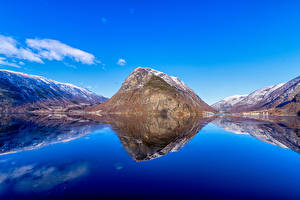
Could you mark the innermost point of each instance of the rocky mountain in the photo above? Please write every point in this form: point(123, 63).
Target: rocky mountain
point(253, 100)
point(226, 104)
point(285, 100)
point(280, 99)
point(21, 92)
point(147, 91)
point(244, 103)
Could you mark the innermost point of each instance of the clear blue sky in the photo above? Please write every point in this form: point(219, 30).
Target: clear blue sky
point(219, 48)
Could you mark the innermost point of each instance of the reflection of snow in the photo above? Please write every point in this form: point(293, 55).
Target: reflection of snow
point(33, 136)
point(29, 178)
point(257, 129)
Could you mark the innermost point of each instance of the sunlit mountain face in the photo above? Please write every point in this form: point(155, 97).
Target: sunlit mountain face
point(68, 156)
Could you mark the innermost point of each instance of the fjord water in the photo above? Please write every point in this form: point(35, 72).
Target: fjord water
point(61, 156)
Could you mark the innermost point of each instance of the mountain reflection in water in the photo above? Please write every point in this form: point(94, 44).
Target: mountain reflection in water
point(283, 131)
point(151, 137)
point(24, 132)
point(144, 138)
point(77, 156)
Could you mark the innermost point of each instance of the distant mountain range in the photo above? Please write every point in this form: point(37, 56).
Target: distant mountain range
point(280, 99)
point(21, 92)
point(145, 91)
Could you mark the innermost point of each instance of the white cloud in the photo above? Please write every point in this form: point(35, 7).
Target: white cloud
point(121, 62)
point(55, 50)
point(9, 48)
point(35, 50)
point(4, 62)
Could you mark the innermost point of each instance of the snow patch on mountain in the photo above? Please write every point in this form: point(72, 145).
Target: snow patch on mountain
point(227, 103)
point(261, 94)
point(238, 103)
point(256, 129)
point(171, 80)
point(285, 92)
point(22, 80)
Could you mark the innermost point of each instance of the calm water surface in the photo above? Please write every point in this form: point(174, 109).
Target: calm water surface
point(60, 156)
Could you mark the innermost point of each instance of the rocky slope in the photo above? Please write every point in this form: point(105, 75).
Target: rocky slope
point(226, 104)
point(147, 91)
point(245, 103)
point(285, 100)
point(280, 99)
point(20, 92)
point(253, 100)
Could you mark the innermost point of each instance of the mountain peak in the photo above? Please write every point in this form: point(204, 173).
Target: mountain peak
point(147, 90)
point(227, 103)
point(43, 79)
point(140, 76)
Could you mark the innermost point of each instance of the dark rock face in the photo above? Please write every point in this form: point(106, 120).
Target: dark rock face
point(26, 93)
point(147, 91)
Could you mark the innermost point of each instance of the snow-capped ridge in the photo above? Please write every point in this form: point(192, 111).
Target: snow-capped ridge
point(20, 92)
point(261, 94)
point(227, 103)
point(242, 103)
point(65, 86)
point(230, 98)
point(171, 80)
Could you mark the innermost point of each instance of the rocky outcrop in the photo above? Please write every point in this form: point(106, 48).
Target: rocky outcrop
point(147, 91)
point(21, 93)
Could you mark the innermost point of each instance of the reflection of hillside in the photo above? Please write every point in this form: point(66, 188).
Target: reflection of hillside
point(151, 137)
point(284, 131)
point(25, 132)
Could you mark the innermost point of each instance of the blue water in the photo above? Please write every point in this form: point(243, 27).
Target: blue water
point(215, 164)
